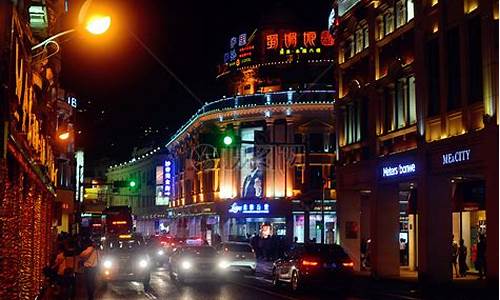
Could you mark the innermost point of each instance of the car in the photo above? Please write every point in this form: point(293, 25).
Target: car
point(125, 259)
point(196, 262)
point(309, 264)
point(240, 257)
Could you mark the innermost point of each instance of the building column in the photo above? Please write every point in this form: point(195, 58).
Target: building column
point(348, 223)
point(385, 230)
point(434, 229)
point(491, 195)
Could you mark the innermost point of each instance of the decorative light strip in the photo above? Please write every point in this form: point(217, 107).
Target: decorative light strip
point(235, 101)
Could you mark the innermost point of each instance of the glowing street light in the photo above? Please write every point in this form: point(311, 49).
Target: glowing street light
point(98, 24)
point(64, 136)
point(95, 24)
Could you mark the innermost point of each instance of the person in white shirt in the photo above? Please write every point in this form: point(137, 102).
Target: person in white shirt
point(90, 258)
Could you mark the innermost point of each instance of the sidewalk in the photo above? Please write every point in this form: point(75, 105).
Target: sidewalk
point(408, 285)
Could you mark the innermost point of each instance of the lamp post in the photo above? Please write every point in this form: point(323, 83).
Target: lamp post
point(95, 24)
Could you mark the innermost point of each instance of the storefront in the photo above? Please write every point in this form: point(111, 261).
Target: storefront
point(316, 215)
point(395, 235)
point(244, 218)
point(462, 163)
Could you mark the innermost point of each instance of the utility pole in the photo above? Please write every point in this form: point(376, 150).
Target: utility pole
point(323, 211)
point(306, 202)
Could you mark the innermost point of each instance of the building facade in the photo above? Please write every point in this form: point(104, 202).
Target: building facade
point(29, 174)
point(280, 150)
point(145, 197)
point(417, 122)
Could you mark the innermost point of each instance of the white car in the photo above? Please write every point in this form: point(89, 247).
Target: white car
point(240, 257)
point(196, 262)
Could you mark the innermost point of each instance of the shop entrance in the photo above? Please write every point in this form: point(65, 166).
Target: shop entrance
point(468, 220)
point(408, 229)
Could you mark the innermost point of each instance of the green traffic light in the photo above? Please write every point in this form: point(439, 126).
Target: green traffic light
point(131, 183)
point(228, 140)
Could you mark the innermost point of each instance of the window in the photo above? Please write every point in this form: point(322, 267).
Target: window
point(361, 38)
point(297, 138)
point(395, 16)
point(433, 77)
point(453, 68)
point(475, 60)
point(316, 142)
point(298, 177)
point(352, 122)
point(316, 177)
point(400, 104)
point(400, 13)
point(388, 21)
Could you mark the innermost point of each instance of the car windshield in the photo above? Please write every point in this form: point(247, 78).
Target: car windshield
point(330, 251)
point(200, 251)
point(237, 248)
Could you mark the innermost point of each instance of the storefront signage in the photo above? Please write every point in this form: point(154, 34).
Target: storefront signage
point(167, 178)
point(400, 169)
point(249, 208)
point(456, 157)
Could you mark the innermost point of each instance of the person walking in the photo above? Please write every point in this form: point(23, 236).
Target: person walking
point(402, 251)
point(462, 256)
point(454, 256)
point(481, 256)
point(90, 257)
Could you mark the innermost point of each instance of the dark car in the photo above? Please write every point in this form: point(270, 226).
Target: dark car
point(306, 264)
point(125, 259)
point(196, 262)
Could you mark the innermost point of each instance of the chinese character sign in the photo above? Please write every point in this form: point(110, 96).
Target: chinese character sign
point(309, 39)
point(291, 40)
point(272, 41)
point(326, 39)
point(242, 41)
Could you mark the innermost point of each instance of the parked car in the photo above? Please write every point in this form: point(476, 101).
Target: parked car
point(240, 257)
point(196, 262)
point(312, 264)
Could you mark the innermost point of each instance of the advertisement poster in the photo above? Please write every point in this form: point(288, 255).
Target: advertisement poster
point(251, 166)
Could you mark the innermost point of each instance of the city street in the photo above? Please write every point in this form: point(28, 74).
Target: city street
point(259, 287)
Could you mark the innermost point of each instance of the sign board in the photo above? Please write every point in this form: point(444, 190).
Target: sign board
point(394, 170)
point(456, 157)
point(249, 208)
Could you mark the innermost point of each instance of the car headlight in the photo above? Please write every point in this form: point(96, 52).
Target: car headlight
point(223, 264)
point(143, 263)
point(161, 252)
point(107, 263)
point(186, 264)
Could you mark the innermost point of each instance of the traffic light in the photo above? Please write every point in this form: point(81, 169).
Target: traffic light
point(132, 183)
point(228, 140)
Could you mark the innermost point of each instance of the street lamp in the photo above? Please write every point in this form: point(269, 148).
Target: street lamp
point(64, 136)
point(95, 24)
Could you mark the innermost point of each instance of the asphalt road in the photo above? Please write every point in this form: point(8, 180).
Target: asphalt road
point(259, 287)
point(244, 288)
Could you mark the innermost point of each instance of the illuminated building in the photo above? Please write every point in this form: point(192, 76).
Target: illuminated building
point(417, 127)
point(146, 195)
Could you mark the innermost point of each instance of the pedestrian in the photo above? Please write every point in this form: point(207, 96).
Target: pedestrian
point(480, 263)
point(90, 258)
point(454, 256)
point(462, 256)
point(402, 251)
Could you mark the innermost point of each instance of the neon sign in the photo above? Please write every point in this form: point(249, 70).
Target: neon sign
point(455, 157)
point(400, 169)
point(167, 178)
point(290, 40)
point(252, 208)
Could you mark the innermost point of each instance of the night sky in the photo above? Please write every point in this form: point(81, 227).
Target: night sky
point(123, 91)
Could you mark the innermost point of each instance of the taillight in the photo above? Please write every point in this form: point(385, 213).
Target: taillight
point(348, 264)
point(309, 263)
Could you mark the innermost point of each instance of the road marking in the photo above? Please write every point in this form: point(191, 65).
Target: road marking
point(264, 291)
point(396, 296)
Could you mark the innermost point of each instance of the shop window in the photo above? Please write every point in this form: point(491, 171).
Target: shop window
point(453, 68)
point(475, 60)
point(433, 76)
